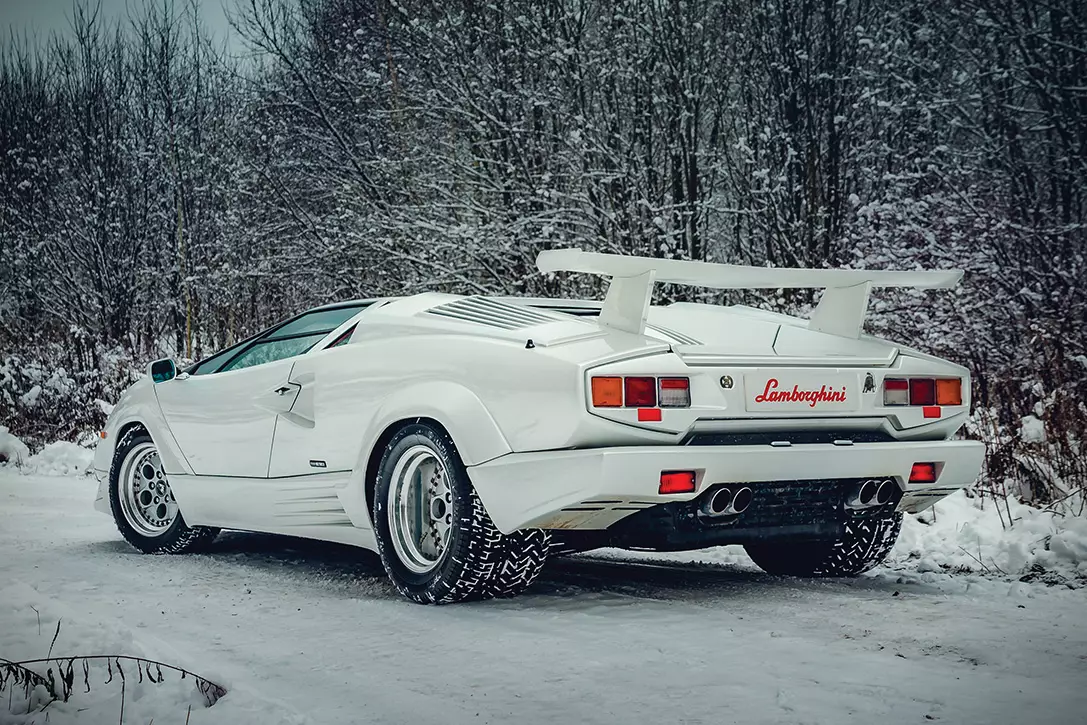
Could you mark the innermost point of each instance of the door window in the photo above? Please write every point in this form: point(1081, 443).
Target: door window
point(291, 338)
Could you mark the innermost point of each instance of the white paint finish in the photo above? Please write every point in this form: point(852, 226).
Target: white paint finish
point(224, 422)
point(520, 490)
point(498, 396)
point(841, 310)
point(627, 303)
point(306, 506)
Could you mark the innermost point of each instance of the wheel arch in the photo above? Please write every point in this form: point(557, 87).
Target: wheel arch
point(377, 451)
point(451, 407)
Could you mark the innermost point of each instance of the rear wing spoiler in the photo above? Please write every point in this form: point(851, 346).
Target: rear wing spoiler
point(840, 311)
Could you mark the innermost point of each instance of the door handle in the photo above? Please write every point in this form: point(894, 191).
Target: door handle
point(283, 390)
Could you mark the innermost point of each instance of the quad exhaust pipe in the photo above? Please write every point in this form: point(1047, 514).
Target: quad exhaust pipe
point(872, 492)
point(728, 502)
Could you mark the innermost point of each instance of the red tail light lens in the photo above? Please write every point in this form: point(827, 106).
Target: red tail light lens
point(675, 393)
point(640, 392)
point(677, 482)
point(922, 391)
point(923, 473)
point(896, 391)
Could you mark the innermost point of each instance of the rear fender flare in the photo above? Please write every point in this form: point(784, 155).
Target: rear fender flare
point(459, 410)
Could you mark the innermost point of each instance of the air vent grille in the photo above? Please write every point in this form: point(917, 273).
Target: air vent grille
point(489, 312)
point(679, 337)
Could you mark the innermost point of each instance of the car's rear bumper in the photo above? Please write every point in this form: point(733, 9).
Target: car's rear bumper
point(595, 488)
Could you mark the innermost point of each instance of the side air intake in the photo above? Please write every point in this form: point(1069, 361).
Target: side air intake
point(492, 313)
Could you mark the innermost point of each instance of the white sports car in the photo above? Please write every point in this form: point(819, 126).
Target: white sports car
point(467, 438)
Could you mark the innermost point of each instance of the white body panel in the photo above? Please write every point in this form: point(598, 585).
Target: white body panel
point(223, 424)
point(593, 489)
point(290, 446)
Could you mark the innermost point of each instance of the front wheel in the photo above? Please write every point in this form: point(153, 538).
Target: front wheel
point(864, 545)
point(435, 538)
point(143, 504)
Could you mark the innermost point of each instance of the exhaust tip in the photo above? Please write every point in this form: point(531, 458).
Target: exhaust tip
point(741, 500)
point(867, 492)
point(885, 492)
point(718, 504)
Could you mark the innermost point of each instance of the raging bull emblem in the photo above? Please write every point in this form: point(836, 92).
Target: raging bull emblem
point(869, 383)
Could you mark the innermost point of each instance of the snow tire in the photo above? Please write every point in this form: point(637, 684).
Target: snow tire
point(865, 544)
point(179, 538)
point(479, 562)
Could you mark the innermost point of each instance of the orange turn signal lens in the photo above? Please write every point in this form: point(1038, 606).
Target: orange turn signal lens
point(949, 392)
point(607, 392)
point(102, 434)
point(677, 482)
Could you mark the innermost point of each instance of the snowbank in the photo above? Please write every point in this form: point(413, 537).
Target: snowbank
point(961, 536)
point(28, 623)
point(61, 458)
point(12, 450)
point(966, 534)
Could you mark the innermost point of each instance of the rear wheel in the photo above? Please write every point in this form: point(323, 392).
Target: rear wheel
point(143, 504)
point(865, 544)
point(436, 540)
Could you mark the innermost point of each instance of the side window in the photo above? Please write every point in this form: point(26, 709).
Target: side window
point(265, 351)
point(343, 339)
point(291, 338)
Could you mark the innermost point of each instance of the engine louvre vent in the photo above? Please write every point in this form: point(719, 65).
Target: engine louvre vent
point(492, 313)
point(679, 337)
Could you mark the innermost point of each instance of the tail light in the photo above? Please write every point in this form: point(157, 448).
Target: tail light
point(896, 392)
point(949, 391)
point(675, 393)
point(926, 392)
point(923, 473)
point(922, 391)
point(642, 392)
point(608, 392)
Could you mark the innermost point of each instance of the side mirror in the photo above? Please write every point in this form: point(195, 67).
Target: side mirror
point(162, 370)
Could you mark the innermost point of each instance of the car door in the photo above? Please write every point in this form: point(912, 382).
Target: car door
point(224, 422)
point(224, 412)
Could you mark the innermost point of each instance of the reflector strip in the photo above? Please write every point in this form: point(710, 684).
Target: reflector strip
point(931, 411)
point(677, 482)
point(649, 414)
point(923, 473)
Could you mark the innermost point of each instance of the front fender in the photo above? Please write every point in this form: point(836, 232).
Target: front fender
point(138, 405)
point(460, 411)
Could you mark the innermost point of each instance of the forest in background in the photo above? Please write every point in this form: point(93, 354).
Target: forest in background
point(162, 197)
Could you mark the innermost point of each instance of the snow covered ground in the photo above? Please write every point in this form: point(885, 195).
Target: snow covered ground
point(307, 632)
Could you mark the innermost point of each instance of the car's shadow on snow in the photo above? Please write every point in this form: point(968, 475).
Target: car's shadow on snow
point(563, 577)
point(351, 571)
